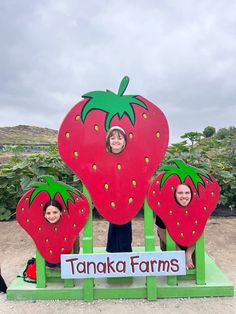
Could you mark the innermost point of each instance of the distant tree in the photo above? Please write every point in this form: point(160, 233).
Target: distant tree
point(178, 148)
point(222, 133)
point(193, 137)
point(209, 131)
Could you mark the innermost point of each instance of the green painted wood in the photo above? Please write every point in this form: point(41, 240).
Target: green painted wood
point(149, 247)
point(217, 284)
point(200, 261)
point(170, 246)
point(40, 270)
point(88, 248)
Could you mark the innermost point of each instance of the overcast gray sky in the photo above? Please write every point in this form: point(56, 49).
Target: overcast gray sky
point(181, 55)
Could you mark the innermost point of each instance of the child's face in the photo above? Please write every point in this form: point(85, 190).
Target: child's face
point(52, 214)
point(117, 142)
point(183, 195)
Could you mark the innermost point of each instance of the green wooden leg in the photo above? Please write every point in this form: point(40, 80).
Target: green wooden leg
point(170, 246)
point(200, 261)
point(40, 270)
point(88, 248)
point(149, 247)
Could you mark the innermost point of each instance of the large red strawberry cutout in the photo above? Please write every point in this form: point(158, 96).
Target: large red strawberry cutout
point(52, 239)
point(185, 224)
point(117, 183)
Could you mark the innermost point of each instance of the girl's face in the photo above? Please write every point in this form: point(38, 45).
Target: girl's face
point(183, 194)
point(52, 214)
point(117, 142)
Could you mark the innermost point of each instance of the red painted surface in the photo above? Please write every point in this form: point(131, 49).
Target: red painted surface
point(117, 183)
point(184, 224)
point(52, 239)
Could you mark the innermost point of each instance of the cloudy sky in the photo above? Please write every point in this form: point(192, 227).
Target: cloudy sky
point(181, 55)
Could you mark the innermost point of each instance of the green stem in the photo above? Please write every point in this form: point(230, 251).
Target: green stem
point(123, 85)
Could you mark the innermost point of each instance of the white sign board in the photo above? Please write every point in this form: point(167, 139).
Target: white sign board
point(123, 264)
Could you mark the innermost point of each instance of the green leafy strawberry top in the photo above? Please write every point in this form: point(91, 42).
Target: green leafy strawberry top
point(113, 104)
point(183, 171)
point(51, 187)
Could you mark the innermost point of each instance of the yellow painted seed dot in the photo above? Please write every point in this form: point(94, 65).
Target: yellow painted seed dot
point(96, 127)
point(212, 193)
point(131, 200)
point(177, 223)
point(131, 136)
point(27, 220)
point(76, 154)
point(22, 209)
point(118, 167)
point(153, 192)
point(65, 238)
point(193, 232)
point(55, 229)
point(147, 160)
point(77, 199)
point(134, 183)
point(144, 116)
point(207, 181)
point(181, 234)
point(82, 210)
point(94, 167)
point(158, 134)
point(50, 251)
point(106, 186)
point(26, 199)
point(46, 240)
point(39, 228)
point(77, 117)
point(196, 222)
point(157, 182)
point(186, 212)
point(113, 205)
point(194, 193)
point(41, 205)
point(172, 188)
point(170, 212)
point(64, 210)
point(74, 225)
point(67, 135)
point(205, 208)
point(158, 203)
point(62, 249)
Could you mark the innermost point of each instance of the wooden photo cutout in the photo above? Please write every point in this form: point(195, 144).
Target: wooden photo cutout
point(185, 223)
point(117, 182)
point(52, 239)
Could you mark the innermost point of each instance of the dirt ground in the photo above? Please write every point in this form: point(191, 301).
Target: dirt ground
point(17, 247)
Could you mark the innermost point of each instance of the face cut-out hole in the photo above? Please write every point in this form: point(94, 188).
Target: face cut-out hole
point(116, 140)
point(183, 195)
